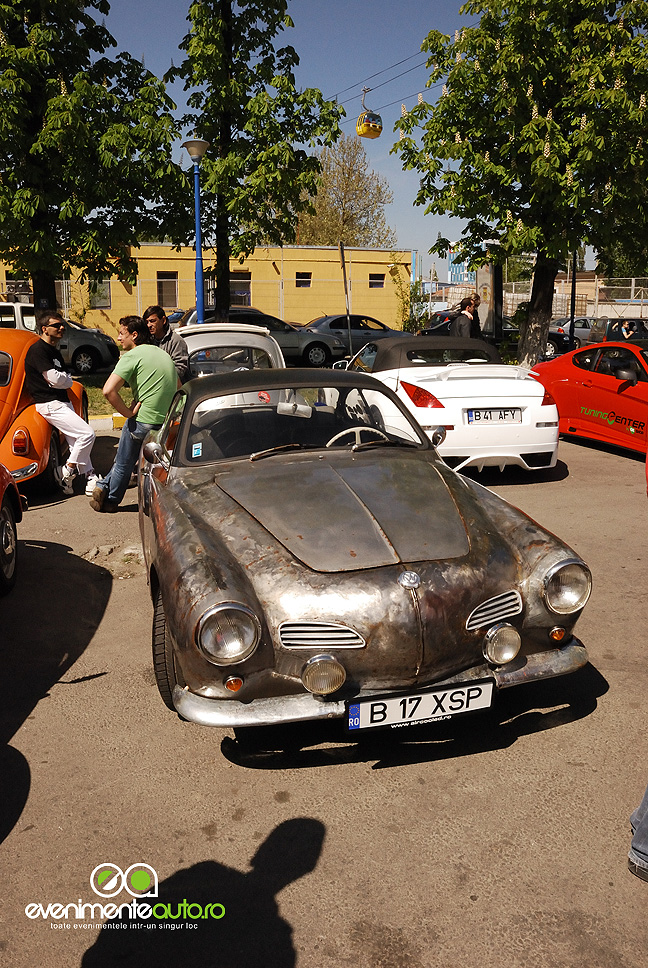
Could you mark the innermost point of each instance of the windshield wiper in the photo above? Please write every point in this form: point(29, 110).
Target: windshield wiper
point(274, 450)
point(364, 445)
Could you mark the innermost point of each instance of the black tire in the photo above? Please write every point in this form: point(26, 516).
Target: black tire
point(49, 478)
point(85, 360)
point(8, 547)
point(316, 355)
point(551, 350)
point(163, 664)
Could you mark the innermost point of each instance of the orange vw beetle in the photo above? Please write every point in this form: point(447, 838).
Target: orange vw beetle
point(29, 446)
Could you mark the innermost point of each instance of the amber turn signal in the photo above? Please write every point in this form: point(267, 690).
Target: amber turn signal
point(557, 634)
point(233, 683)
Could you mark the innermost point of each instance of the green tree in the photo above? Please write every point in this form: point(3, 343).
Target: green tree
point(244, 101)
point(623, 262)
point(538, 136)
point(85, 146)
point(350, 201)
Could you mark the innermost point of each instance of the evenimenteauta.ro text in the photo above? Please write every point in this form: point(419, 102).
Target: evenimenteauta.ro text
point(83, 911)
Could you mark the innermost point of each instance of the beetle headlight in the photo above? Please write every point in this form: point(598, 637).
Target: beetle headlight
point(228, 633)
point(567, 587)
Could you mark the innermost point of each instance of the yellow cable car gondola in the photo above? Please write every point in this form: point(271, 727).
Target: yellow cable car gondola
point(369, 124)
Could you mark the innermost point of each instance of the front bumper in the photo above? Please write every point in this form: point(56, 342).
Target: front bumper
point(293, 709)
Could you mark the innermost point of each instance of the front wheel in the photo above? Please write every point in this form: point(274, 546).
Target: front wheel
point(316, 354)
point(84, 361)
point(8, 547)
point(163, 663)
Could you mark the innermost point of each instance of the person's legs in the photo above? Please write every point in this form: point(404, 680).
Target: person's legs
point(115, 483)
point(638, 854)
point(79, 434)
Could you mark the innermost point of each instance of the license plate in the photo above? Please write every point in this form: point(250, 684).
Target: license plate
point(496, 415)
point(427, 706)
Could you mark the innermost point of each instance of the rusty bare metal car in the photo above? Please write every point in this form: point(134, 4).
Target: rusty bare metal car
point(311, 556)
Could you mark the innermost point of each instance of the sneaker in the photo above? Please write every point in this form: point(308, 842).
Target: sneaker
point(98, 498)
point(68, 475)
point(92, 480)
point(637, 870)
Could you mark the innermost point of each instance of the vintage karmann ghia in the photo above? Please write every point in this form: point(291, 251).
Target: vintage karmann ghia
point(311, 556)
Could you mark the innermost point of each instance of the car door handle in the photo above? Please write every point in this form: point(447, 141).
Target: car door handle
point(588, 384)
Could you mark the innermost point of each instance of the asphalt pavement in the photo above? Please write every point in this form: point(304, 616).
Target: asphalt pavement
point(498, 841)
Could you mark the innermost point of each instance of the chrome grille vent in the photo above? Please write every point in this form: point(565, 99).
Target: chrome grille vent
point(495, 610)
point(318, 635)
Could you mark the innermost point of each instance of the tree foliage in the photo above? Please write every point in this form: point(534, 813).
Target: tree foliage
point(257, 176)
point(350, 201)
point(538, 138)
point(85, 145)
point(625, 262)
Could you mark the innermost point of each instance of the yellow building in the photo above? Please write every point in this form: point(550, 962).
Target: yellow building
point(296, 283)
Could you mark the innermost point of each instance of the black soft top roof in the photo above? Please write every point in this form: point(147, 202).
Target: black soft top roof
point(396, 354)
point(244, 381)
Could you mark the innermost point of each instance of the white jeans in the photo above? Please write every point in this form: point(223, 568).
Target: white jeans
point(79, 434)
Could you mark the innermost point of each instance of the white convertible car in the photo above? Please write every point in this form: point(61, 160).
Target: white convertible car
point(493, 414)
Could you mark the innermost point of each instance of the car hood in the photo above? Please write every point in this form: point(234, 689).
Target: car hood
point(344, 513)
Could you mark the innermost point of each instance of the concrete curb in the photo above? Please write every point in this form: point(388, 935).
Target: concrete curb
point(114, 422)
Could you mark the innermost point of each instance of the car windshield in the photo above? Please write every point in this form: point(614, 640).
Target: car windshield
point(226, 359)
point(262, 423)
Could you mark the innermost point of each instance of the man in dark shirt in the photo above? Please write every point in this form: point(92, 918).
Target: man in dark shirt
point(461, 324)
point(167, 339)
point(48, 383)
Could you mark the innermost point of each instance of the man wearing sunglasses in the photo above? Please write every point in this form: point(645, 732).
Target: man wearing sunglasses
point(48, 382)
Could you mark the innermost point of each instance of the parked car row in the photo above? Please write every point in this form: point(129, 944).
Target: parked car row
point(82, 348)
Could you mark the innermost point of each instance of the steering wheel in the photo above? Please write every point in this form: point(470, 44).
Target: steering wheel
point(356, 432)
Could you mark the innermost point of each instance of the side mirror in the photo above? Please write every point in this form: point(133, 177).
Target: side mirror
point(438, 435)
point(154, 453)
point(626, 375)
point(340, 365)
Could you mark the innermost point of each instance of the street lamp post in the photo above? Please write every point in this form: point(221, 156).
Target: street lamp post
point(197, 148)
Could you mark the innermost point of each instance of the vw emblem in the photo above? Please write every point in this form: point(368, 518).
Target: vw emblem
point(409, 579)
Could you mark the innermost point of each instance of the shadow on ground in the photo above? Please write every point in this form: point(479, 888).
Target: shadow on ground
point(248, 933)
point(44, 632)
point(517, 712)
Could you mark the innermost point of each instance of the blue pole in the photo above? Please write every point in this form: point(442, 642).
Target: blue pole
point(200, 297)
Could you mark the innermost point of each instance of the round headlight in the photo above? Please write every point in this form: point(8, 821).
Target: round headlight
point(323, 674)
point(567, 587)
point(228, 633)
point(501, 644)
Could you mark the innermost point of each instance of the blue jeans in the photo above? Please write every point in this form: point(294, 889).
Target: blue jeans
point(130, 442)
point(639, 823)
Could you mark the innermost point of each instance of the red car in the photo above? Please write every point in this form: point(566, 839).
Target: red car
point(601, 392)
point(10, 512)
point(29, 445)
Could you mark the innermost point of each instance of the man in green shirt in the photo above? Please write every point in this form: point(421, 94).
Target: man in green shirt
point(152, 377)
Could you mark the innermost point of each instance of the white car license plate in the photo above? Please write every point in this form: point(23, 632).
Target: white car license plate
point(495, 415)
point(422, 707)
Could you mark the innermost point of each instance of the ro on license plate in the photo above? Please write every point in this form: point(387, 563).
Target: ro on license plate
point(423, 707)
point(496, 415)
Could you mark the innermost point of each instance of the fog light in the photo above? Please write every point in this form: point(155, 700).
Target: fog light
point(323, 674)
point(233, 683)
point(501, 644)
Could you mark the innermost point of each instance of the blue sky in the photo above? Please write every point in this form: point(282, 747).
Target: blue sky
point(341, 44)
